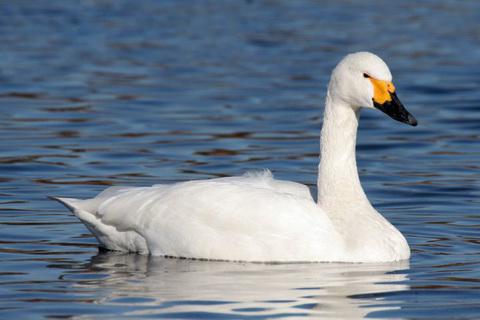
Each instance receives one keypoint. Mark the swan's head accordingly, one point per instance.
(362, 79)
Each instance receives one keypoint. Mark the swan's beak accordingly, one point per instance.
(385, 99)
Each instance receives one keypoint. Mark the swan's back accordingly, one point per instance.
(250, 218)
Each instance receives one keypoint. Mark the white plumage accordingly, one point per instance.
(255, 217)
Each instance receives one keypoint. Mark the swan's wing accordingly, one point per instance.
(124, 207)
(238, 218)
(250, 218)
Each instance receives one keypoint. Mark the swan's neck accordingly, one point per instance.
(338, 181)
(366, 234)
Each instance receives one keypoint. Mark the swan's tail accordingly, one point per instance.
(75, 206)
(108, 236)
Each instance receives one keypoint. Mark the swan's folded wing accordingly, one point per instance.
(221, 219)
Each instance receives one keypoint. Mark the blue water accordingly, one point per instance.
(99, 93)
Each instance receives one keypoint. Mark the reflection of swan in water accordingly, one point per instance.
(170, 286)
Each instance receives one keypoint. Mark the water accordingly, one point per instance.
(100, 93)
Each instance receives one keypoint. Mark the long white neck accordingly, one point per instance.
(366, 233)
(338, 182)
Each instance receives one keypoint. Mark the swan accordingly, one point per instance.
(256, 218)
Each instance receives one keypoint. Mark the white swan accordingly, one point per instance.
(257, 218)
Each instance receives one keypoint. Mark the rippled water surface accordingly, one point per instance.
(99, 93)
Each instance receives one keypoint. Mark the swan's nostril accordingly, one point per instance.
(412, 121)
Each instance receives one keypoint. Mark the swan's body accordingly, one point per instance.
(257, 218)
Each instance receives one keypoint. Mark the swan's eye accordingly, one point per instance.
(366, 75)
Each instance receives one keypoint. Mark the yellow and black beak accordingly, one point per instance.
(385, 99)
